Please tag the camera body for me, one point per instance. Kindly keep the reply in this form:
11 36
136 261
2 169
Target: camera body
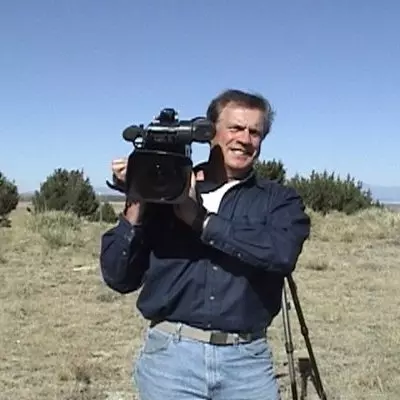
160 166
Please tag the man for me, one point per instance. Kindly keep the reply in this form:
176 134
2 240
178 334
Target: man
211 270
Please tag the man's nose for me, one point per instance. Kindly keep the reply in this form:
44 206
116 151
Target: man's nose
245 136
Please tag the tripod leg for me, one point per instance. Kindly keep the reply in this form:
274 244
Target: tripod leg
304 330
305 373
289 344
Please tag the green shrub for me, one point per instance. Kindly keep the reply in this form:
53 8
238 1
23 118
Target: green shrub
325 192
9 199
321 192
58 228
106 213
273 170
67 191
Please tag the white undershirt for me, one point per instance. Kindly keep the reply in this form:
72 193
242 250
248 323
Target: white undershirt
212 200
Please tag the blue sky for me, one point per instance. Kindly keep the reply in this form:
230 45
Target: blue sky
75 73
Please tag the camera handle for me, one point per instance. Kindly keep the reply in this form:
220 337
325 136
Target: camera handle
307 367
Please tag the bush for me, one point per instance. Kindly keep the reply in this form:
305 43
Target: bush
106 213
324 192
9 199
66 191
273 170
59 229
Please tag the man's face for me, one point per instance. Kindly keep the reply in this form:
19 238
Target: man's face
239 133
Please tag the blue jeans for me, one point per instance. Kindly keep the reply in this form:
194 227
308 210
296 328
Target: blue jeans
178 368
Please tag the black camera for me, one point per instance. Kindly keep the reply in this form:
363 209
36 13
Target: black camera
160 166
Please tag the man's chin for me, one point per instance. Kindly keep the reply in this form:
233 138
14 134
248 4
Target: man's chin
240 163
239 170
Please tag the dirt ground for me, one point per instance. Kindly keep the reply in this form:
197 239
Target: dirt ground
64 335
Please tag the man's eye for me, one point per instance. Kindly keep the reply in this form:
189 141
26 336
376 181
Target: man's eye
255 133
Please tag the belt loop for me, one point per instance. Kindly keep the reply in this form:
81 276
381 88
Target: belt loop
236 339
177 334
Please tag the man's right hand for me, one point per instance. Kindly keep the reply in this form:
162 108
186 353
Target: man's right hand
134 211
119 167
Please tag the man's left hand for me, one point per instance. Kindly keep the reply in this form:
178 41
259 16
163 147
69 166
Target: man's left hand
189 209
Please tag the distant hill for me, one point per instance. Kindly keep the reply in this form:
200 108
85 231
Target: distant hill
385 194
107 194
104 194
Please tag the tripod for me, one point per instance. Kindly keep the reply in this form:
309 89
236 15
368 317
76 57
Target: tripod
307 366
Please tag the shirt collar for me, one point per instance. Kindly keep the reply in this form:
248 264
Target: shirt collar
205 186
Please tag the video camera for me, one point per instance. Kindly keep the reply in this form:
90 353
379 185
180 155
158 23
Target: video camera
160 166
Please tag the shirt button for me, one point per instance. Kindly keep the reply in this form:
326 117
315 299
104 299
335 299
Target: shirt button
208 325
211 242
215 268
212 297
124 253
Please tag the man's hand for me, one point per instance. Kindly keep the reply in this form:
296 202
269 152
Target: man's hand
133 211
192 207
119 167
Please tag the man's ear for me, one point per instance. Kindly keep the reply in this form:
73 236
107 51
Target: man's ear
213 131
258 152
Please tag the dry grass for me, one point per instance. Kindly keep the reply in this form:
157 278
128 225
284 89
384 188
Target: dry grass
64 335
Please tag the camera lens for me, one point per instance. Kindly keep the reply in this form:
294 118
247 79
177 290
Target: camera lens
160 176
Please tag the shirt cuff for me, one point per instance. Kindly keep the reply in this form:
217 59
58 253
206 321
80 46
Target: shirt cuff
215 230
126 230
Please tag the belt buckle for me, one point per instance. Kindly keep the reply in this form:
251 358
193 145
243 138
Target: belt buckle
218 337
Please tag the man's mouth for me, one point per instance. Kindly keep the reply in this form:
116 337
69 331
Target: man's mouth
239 152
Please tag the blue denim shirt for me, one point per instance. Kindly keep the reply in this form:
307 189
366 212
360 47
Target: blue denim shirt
228 278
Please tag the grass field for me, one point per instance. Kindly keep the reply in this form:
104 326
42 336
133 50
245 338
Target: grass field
64 335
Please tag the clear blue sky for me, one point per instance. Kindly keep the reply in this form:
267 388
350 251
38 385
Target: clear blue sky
74 74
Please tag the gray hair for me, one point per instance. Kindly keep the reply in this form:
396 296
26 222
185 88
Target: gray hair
246 99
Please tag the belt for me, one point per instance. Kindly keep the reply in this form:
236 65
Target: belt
211 337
